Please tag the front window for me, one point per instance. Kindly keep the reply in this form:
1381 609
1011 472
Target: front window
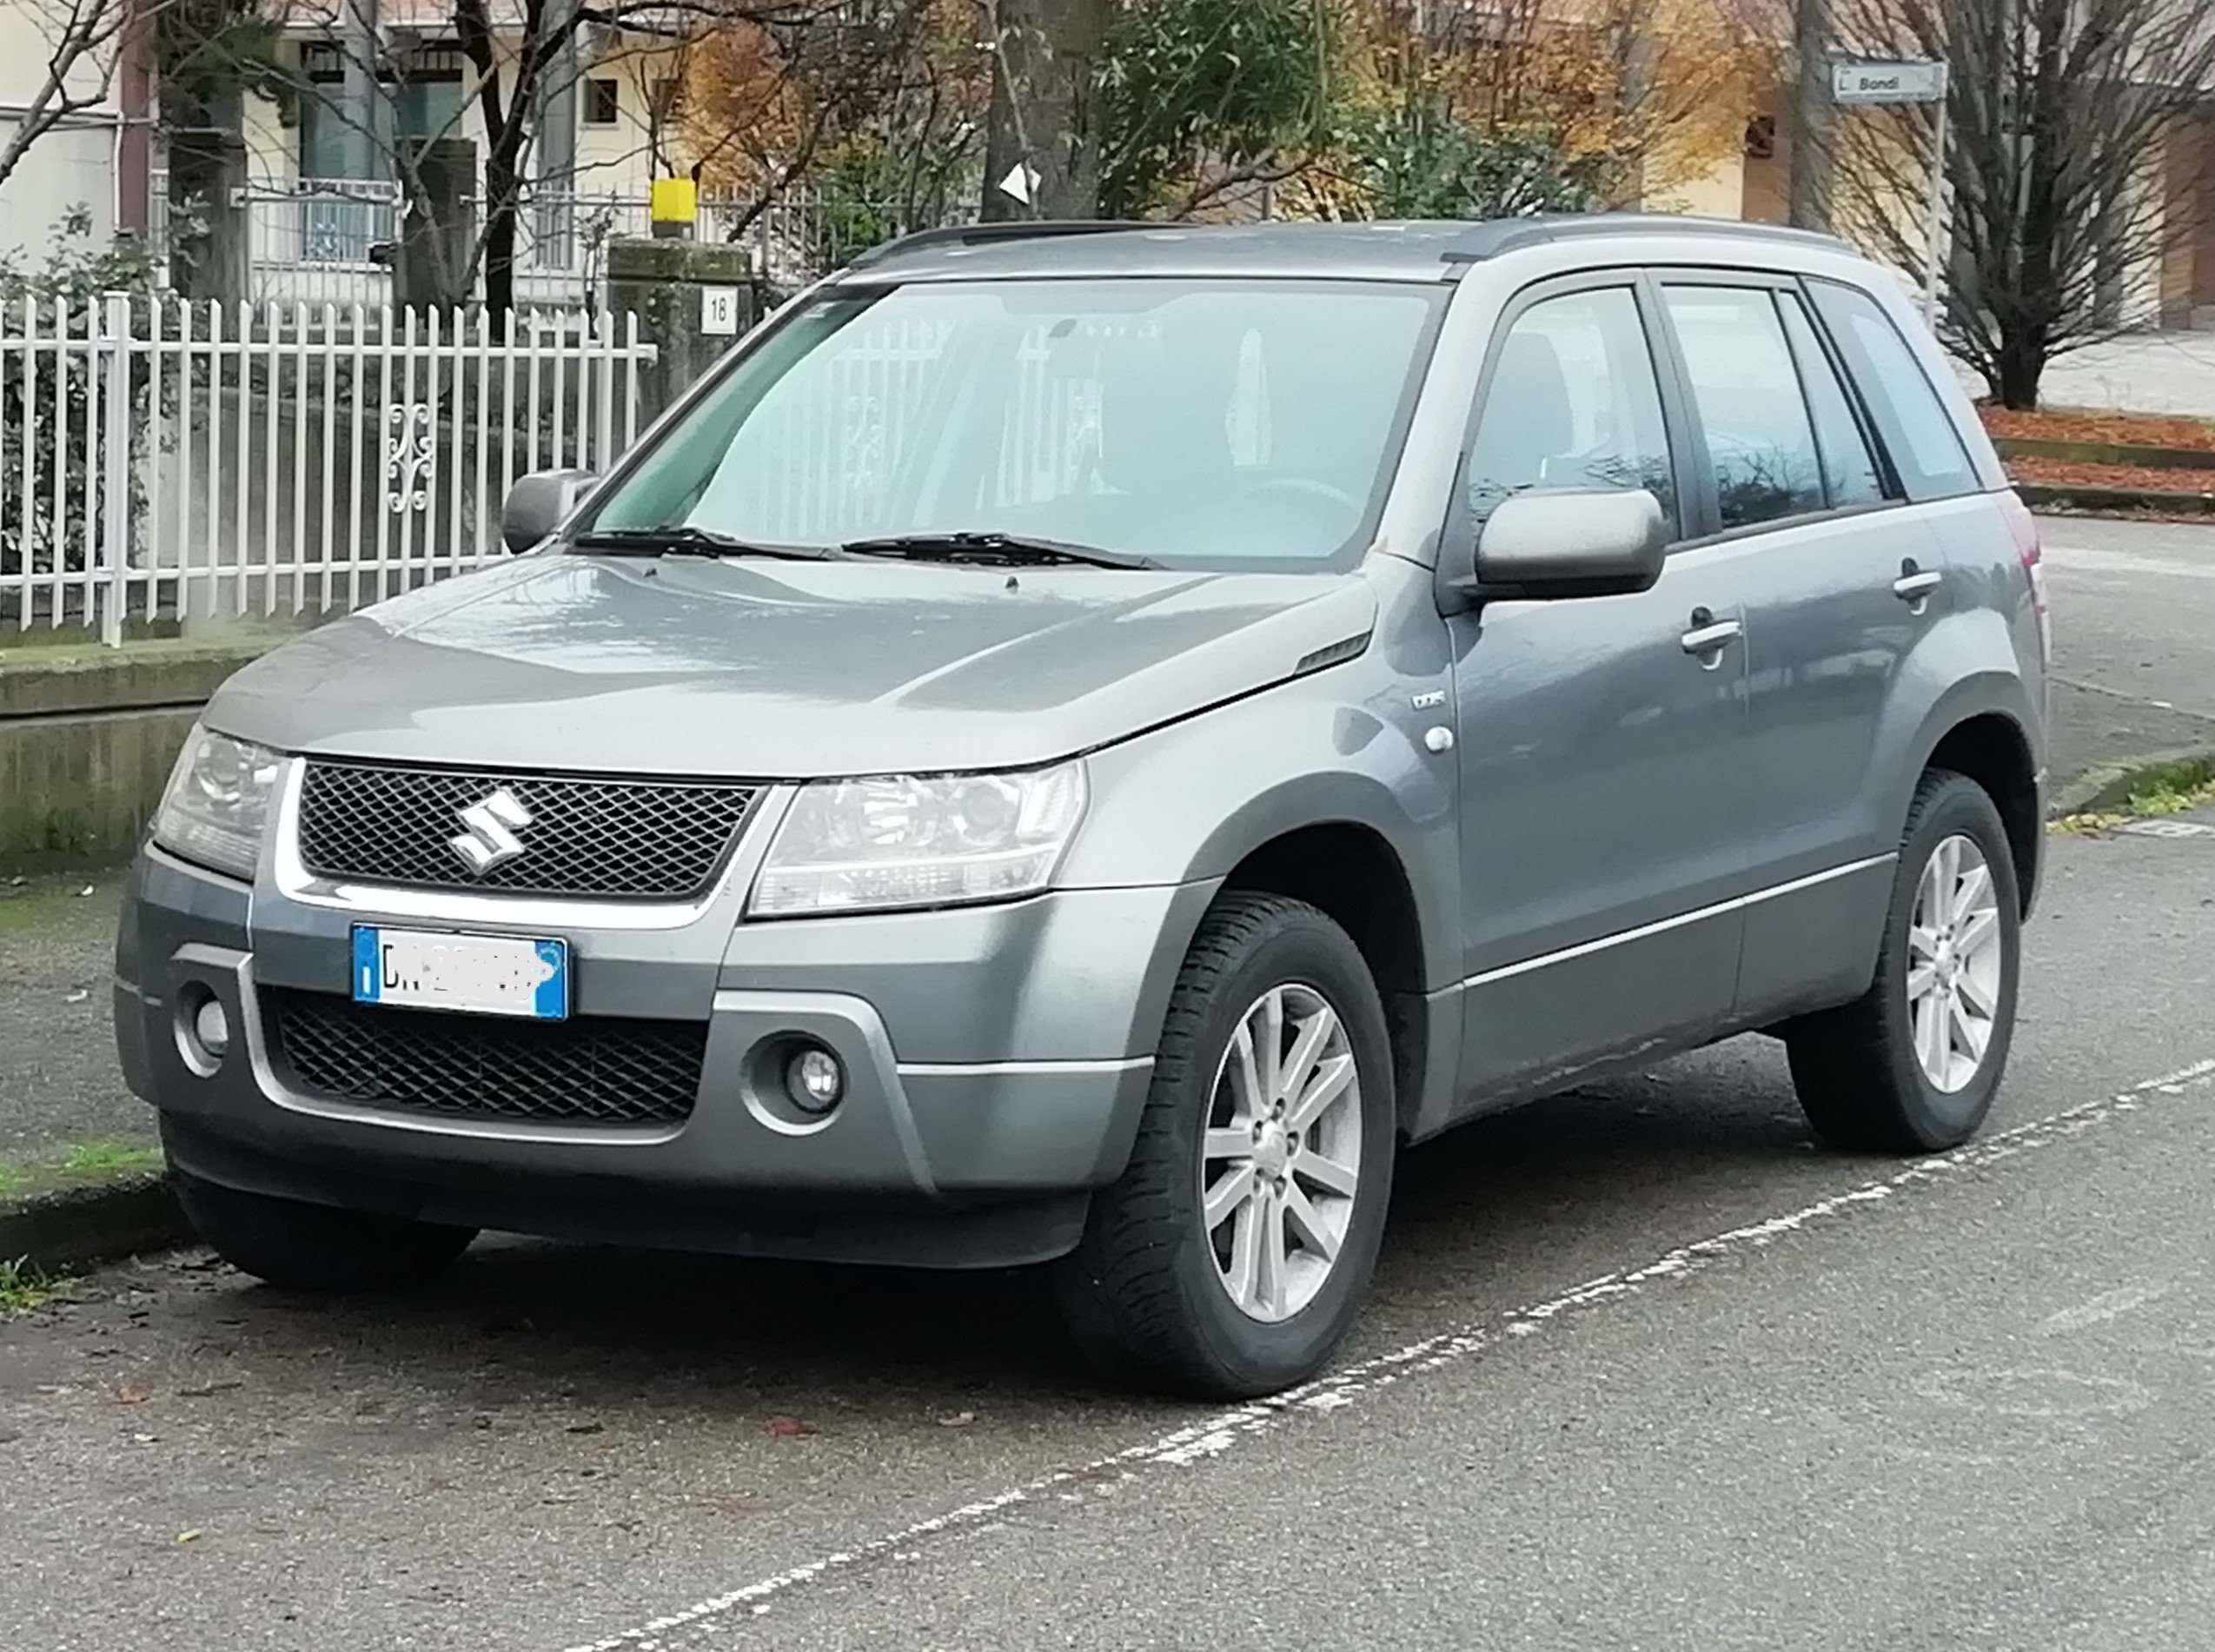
1195 423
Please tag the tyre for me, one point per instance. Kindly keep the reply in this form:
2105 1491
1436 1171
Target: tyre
1233 1253
315 1247
1913 1065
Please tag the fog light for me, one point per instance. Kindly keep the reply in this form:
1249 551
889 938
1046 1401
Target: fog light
212 1027
815 1080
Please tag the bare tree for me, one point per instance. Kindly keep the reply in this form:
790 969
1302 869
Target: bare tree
767 101
86 42
2075 165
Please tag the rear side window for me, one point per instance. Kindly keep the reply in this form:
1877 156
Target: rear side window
1926 448
1850 470
1747 393
1574 402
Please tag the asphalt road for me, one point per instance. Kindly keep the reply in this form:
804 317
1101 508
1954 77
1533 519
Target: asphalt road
2134 639
1645 1369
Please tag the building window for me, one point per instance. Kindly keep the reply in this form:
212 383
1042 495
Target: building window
603 102
1761 138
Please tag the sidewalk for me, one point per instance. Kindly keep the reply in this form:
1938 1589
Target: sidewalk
79 1170
58 1085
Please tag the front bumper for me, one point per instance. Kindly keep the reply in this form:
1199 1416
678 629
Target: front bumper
997 1058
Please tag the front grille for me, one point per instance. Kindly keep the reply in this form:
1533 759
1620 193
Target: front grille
609 838
593 1070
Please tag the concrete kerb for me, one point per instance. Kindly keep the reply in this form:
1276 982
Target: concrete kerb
2075 496
58 1229
2107 785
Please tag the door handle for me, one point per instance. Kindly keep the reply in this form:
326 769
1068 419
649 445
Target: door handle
1915 584
1710 636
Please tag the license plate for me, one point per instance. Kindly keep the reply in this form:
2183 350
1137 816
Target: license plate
479 974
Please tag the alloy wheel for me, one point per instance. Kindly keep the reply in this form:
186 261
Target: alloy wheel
1955 963
1280 1159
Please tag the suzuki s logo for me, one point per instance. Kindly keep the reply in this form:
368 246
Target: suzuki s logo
490 841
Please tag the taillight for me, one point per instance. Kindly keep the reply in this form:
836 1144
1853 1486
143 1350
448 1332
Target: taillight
2024 527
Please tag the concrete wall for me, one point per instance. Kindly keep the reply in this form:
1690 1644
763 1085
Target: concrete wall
87 739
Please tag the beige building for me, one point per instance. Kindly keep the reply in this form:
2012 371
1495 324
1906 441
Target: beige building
77 164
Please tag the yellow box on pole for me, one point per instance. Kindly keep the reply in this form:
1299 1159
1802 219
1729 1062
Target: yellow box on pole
675 201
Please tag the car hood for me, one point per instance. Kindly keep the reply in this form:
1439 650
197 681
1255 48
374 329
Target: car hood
778 669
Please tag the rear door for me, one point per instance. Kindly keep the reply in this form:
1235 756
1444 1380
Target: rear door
1844 579
1603 769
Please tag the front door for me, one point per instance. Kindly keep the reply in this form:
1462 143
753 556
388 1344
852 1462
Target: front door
1601 740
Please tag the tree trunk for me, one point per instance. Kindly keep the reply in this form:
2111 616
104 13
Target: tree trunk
499 236
1041 108
2021 363
1813 117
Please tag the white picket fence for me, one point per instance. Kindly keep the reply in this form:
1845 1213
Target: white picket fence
160 459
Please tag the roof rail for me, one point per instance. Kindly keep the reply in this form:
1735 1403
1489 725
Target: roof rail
1505 234
979 234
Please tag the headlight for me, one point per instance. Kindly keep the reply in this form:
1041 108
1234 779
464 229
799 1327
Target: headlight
913 841
217 801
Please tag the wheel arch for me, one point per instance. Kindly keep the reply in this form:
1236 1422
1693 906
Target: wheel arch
1350 872
1991 747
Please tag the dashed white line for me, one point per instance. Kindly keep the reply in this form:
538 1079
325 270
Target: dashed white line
1225 1431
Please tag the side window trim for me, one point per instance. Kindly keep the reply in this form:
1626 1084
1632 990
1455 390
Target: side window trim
1712 529
1911 491
1697 511
1807 403
1895 484
1622 278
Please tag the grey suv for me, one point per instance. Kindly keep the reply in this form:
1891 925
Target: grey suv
1079 741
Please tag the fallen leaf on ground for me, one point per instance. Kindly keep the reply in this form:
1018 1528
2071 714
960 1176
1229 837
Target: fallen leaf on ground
77 997
958 1420
130 1394
2068 473
786 1428
192 1536
85 891
2071 424
587 1428
202 1390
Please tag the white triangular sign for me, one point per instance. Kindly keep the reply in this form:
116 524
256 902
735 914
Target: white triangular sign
1021 181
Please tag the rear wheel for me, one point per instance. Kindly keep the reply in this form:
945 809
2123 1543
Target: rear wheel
1912 1066
1233 1253
315 1247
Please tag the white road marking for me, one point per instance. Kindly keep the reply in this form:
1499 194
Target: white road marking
2109 1304
1211 1439
2091 560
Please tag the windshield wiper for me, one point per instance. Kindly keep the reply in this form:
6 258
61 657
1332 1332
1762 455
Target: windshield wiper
683 540
991 547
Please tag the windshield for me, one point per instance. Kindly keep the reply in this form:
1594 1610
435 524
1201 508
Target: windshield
1193 423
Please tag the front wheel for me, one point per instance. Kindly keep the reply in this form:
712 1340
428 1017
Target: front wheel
1913 1065
1233 1253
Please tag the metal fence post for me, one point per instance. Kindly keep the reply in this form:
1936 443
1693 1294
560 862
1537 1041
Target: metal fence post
115 468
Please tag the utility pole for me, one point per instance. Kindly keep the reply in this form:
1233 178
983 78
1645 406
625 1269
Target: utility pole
1814 116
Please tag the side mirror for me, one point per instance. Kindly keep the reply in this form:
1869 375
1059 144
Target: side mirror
1570 542
539 503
